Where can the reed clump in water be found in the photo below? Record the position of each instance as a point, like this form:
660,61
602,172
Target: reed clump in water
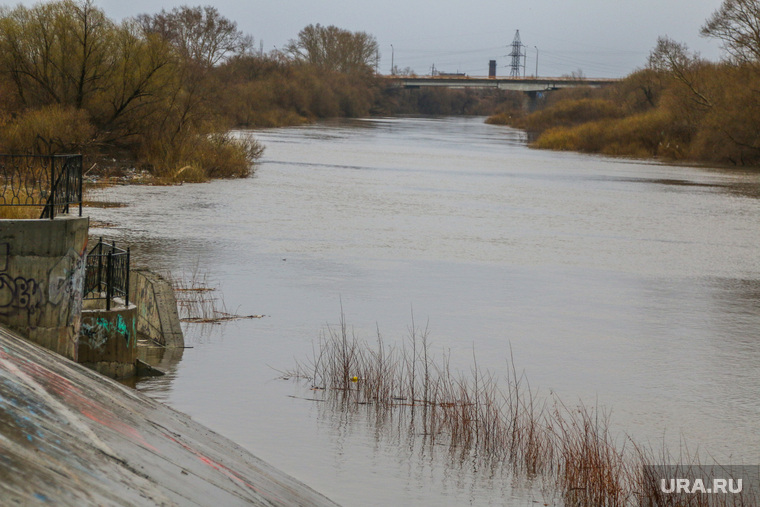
197,300
502,421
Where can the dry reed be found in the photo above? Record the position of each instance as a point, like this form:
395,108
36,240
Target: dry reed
197,301
502,421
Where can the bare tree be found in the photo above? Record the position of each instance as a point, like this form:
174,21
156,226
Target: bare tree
56,53
737,24
675,59
333,48
200,34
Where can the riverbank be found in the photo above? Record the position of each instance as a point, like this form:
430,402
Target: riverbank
73,437
609,278
652,114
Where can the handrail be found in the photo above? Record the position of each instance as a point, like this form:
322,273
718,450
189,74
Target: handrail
53,182
107,273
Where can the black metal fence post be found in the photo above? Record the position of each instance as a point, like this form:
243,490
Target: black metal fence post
81,180
109,277
65,173
107,273
126,285
51,197
99,246
50,182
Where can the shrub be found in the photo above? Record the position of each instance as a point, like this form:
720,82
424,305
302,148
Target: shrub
642,135
500,119
571,112
47,131
227,156
195,158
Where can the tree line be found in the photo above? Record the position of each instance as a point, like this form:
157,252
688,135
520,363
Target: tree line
679,106
163,90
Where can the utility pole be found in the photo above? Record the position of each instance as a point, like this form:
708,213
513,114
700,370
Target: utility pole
536,60
393,68
516,54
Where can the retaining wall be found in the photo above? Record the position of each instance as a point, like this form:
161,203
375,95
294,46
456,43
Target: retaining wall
108,341
73,437
42,273
157,316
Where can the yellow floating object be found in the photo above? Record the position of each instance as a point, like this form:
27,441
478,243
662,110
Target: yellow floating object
354,379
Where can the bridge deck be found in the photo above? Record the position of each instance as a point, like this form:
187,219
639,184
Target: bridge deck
523,84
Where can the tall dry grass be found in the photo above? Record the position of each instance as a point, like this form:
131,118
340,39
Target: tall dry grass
19,212
198,302
19,203
648,134
499,419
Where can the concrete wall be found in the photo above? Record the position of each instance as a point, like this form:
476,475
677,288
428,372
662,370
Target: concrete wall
42,273
73,437
108,341
157,316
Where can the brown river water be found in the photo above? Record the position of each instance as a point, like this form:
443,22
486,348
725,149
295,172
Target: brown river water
627,285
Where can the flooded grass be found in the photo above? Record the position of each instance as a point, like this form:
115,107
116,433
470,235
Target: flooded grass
500,420
103,204
199,302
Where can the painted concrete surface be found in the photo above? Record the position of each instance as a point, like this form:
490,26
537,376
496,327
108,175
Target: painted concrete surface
157,317
108,341
42,273
69,436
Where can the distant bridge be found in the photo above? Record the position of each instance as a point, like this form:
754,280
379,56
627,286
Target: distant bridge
521,84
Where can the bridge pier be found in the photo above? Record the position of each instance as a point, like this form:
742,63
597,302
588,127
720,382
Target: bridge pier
533,99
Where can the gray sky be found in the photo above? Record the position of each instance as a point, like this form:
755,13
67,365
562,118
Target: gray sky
602,38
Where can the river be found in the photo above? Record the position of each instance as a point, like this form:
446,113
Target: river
629,285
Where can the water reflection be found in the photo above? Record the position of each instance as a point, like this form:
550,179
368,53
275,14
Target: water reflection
625,283
458,473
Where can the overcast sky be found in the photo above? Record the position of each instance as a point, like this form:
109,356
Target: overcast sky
602,38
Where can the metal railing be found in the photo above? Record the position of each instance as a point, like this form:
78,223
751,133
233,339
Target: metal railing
107,273
53,182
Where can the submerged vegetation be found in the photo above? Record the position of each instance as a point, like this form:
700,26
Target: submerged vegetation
198,301
679,107
498,421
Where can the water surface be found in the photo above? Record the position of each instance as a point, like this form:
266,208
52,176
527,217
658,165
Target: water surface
629,285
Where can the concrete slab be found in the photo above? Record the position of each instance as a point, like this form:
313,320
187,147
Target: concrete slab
69,436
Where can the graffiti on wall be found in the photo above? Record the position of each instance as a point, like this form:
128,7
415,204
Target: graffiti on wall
5,250
66,283
96,332
70,395
20,295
